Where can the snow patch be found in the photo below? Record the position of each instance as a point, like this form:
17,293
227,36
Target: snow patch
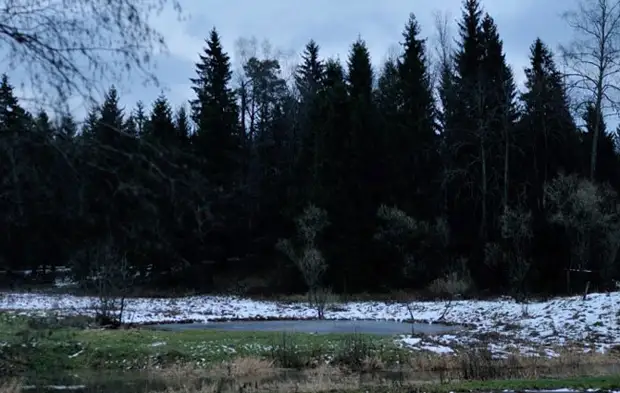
560,322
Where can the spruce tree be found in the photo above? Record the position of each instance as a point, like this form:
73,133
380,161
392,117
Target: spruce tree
215,113
388,98
365,175
548,138
90,123
109,127
12,115
311,164
67,127
310,72
464,117
130,127
478,133
335,114
42,124
182,125
500,114
161,126
416,171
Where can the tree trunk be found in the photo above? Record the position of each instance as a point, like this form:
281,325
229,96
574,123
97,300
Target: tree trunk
597,128
506,166
483,164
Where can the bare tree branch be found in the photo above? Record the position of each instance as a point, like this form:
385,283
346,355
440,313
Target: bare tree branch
69,47
592,60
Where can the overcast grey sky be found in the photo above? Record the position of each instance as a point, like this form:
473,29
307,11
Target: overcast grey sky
289,25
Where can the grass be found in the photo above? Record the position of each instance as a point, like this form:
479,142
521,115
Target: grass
247,378
579,383
48,345
67,351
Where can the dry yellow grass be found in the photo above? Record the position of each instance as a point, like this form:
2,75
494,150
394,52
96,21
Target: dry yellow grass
253,375
323,378
480,364
248,367
10,387
258,375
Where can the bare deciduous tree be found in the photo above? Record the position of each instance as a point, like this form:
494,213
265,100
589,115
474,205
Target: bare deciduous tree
67,47
308,258
443,49
110,276
593,60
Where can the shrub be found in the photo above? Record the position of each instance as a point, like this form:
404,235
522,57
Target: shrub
451,285
308,258
422,246
588,214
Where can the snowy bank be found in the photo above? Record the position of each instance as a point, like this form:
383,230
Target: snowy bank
593,323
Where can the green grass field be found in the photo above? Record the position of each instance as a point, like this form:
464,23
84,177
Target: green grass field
65,351
66,344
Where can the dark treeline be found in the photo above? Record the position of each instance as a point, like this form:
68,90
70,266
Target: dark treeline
421,175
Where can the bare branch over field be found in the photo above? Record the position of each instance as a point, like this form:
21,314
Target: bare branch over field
68,47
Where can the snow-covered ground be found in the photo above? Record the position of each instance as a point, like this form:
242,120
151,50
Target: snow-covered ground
501,325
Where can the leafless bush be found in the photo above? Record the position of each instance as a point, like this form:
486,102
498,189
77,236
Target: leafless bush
111,277
307,257
452,284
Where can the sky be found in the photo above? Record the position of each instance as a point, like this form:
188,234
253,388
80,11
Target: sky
288,25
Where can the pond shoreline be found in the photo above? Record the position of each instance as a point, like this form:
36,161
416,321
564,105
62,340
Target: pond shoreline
316,326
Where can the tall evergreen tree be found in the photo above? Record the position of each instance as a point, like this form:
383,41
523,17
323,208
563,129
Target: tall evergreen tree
109,127
500,113
464,115
216,114
161,123
308,80
548,135
479,120
363,176
12,115
415,172
182,124
310,72
90,123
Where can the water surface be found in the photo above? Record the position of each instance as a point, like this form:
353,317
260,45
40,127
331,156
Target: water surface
317,326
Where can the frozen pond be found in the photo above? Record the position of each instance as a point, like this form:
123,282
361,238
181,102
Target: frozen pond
317,326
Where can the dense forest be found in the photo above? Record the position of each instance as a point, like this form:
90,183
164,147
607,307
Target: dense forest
349,178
